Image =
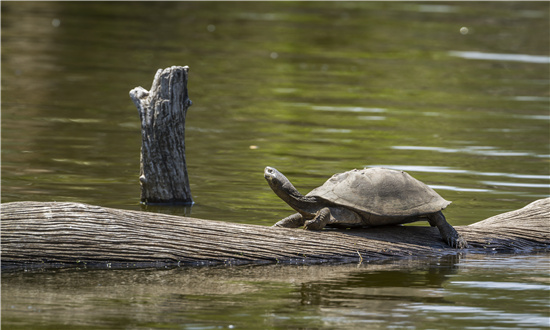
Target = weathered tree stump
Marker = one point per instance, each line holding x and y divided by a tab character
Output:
36	234
162	110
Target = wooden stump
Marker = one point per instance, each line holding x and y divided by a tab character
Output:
54	234
162	110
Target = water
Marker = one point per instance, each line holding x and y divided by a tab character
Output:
495	292
457	94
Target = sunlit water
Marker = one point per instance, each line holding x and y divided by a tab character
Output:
456	94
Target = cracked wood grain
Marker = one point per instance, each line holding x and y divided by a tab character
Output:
65	234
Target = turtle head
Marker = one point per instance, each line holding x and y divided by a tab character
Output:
280	184
286	191
277	181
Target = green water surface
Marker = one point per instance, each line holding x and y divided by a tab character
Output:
455	93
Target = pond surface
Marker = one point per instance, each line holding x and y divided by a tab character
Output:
495	292
455	93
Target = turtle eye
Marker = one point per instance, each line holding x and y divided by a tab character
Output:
270	172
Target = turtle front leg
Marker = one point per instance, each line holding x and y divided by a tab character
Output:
293	221
448	233
319	221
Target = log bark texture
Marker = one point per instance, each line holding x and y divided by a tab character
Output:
162	110
70	234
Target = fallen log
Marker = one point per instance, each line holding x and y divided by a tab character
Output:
37	234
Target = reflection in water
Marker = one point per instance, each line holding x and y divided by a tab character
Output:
493	316
179	210
439	293
370	286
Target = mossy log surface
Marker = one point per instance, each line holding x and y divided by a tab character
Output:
38	234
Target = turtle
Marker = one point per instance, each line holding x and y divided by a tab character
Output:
363	198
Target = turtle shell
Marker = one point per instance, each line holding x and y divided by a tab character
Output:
381	191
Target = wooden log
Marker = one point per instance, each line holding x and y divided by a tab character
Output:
70	234
162	110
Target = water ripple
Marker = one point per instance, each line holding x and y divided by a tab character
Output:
516	184
347	109
480	313
474	150
531	98
372	117
446	169
502	285
453	188
501	57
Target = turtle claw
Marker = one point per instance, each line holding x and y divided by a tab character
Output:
319	221
457	242
454	240
293	221
311	225
448	233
